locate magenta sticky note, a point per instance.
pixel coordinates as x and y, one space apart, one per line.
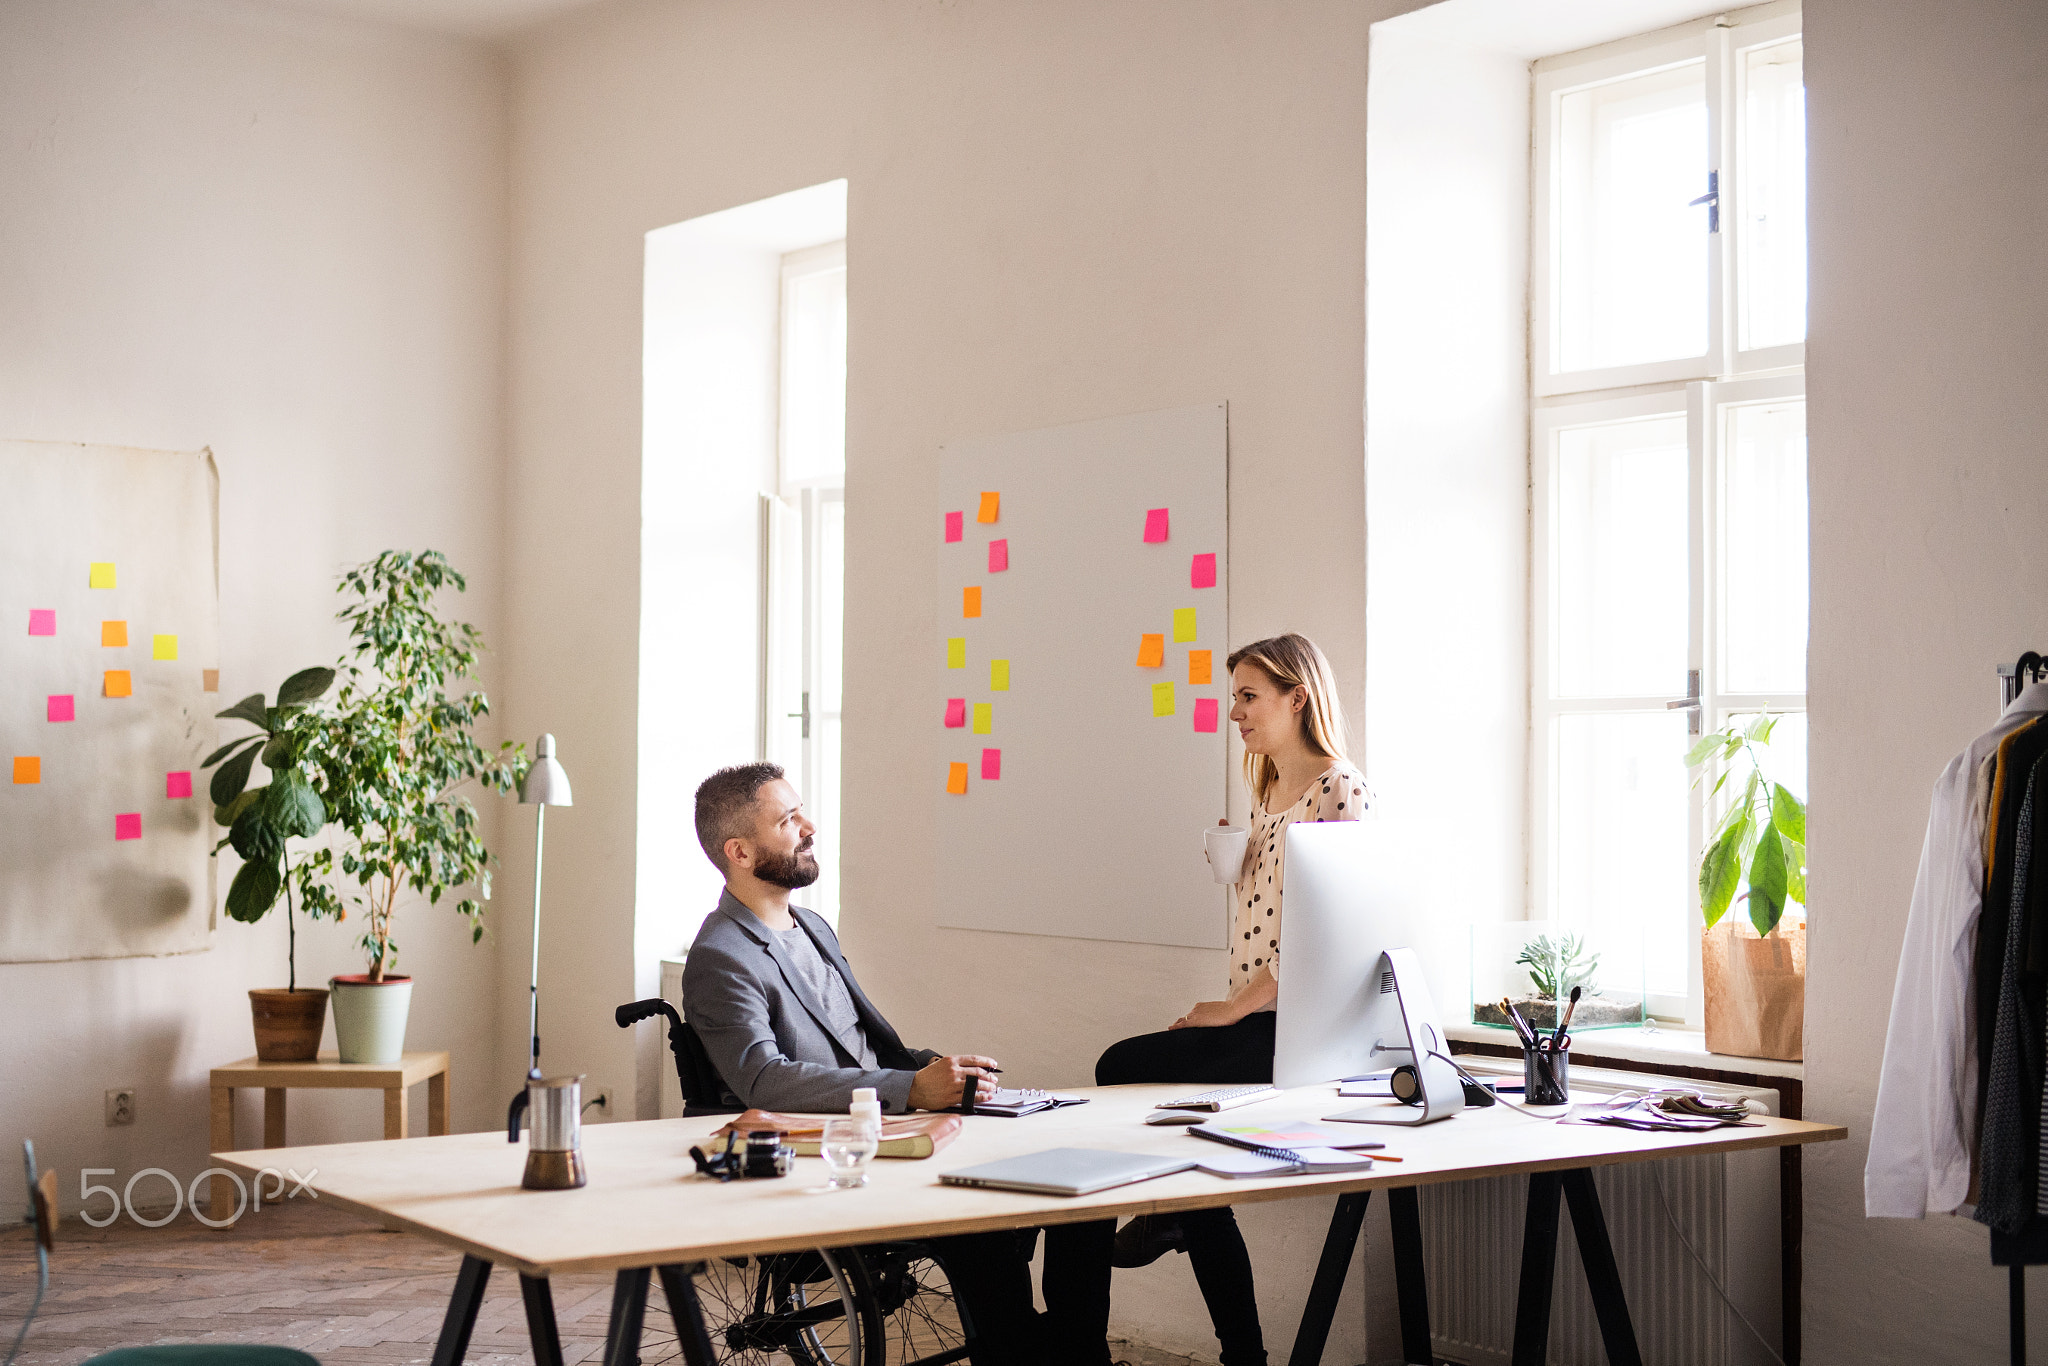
953 521
998 556
42 621
178 784
1205 714
1155 525
1203 575
61 707
956 711
128 826
991 764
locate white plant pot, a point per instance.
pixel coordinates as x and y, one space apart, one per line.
369 1017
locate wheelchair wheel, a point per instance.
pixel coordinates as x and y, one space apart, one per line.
786 1309
922 1323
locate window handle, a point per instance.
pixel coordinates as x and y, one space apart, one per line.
1712 199
1690 702
806 715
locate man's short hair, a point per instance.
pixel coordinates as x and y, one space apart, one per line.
725 806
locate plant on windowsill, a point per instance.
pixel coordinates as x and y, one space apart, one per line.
1755 983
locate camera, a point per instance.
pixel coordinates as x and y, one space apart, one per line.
765 1155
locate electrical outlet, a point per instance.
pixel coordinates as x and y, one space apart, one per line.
601 1101
121 1106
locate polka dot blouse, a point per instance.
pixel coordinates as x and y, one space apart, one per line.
1339 795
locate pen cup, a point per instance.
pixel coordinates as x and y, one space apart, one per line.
1546 1076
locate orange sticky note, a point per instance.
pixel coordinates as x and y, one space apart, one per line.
1198 666
956 779
970 601
991 504
113 633
29 769
118 684
209 680
1151 651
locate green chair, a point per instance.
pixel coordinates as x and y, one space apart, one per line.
42 1194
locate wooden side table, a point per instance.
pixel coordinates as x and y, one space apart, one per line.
392 1078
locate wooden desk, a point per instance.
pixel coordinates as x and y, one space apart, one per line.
274 1078
645 1207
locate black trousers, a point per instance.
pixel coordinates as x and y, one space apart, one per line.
991 1279
1077 1256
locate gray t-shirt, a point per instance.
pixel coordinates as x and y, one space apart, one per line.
828 986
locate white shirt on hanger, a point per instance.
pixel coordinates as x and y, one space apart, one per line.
1924 1128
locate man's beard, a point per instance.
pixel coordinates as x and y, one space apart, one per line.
796 869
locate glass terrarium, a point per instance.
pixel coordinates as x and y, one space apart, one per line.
1535 964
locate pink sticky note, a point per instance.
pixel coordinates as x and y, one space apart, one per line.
1203 575
953 521
1205 714
128 826
42 621
991 764
998 556
1155 525
178 784
956 711
61 707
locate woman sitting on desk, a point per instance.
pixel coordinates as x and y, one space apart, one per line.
1284 702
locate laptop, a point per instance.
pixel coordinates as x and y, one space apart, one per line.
1067 1171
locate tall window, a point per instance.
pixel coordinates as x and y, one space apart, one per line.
1668 448
804 540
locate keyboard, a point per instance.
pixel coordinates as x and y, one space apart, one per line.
1224 1098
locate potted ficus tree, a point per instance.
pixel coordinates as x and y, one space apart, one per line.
390 755
1755 974
260 821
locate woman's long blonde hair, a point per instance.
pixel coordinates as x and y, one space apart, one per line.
1293 661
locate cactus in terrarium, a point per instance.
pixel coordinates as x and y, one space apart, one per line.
1557 965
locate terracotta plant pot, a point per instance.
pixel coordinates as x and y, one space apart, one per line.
289 1023
369 1017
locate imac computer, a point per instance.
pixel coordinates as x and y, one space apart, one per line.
1352 997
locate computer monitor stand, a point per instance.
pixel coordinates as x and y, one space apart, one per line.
1443 1095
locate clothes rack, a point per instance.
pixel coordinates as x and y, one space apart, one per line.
2012 680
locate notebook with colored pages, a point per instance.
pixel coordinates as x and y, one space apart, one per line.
1290 1134
902 1135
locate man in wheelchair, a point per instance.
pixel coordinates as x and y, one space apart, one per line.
787 1026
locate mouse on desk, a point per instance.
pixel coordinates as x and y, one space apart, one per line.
1176 1117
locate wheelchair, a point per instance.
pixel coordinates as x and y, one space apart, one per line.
881 1304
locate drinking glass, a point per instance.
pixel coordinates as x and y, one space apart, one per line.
848 1145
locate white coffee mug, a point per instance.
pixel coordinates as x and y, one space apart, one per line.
1224 846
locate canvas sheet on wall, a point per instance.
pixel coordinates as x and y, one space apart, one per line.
1078 741
109 671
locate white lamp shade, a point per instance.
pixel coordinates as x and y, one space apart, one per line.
545 783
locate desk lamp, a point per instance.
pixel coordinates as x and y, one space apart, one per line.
545 785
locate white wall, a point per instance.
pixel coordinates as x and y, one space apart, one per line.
280 237
1930 508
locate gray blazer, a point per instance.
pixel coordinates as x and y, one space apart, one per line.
766 1032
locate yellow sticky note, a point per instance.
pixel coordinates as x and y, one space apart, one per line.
984 718
29 769
999 675
956 652
970 601
1198 666
163 647
1162 699
113 633
1183 624
956 779
102 576
991 503
118 684
1151 651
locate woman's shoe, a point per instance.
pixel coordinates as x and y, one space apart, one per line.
1146 1239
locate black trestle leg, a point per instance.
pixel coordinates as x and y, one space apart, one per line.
462 1306
1603 1277
1539 1263
1347 1221
540 1320
2016 1309
688 1313
1411 1280
629 1307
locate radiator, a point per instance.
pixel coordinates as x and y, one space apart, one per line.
1727 1205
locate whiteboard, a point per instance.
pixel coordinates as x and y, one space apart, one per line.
1091 825
110 657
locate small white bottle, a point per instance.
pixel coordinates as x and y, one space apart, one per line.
850 1143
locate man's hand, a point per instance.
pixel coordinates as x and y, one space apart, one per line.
938 1085
1207 1015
